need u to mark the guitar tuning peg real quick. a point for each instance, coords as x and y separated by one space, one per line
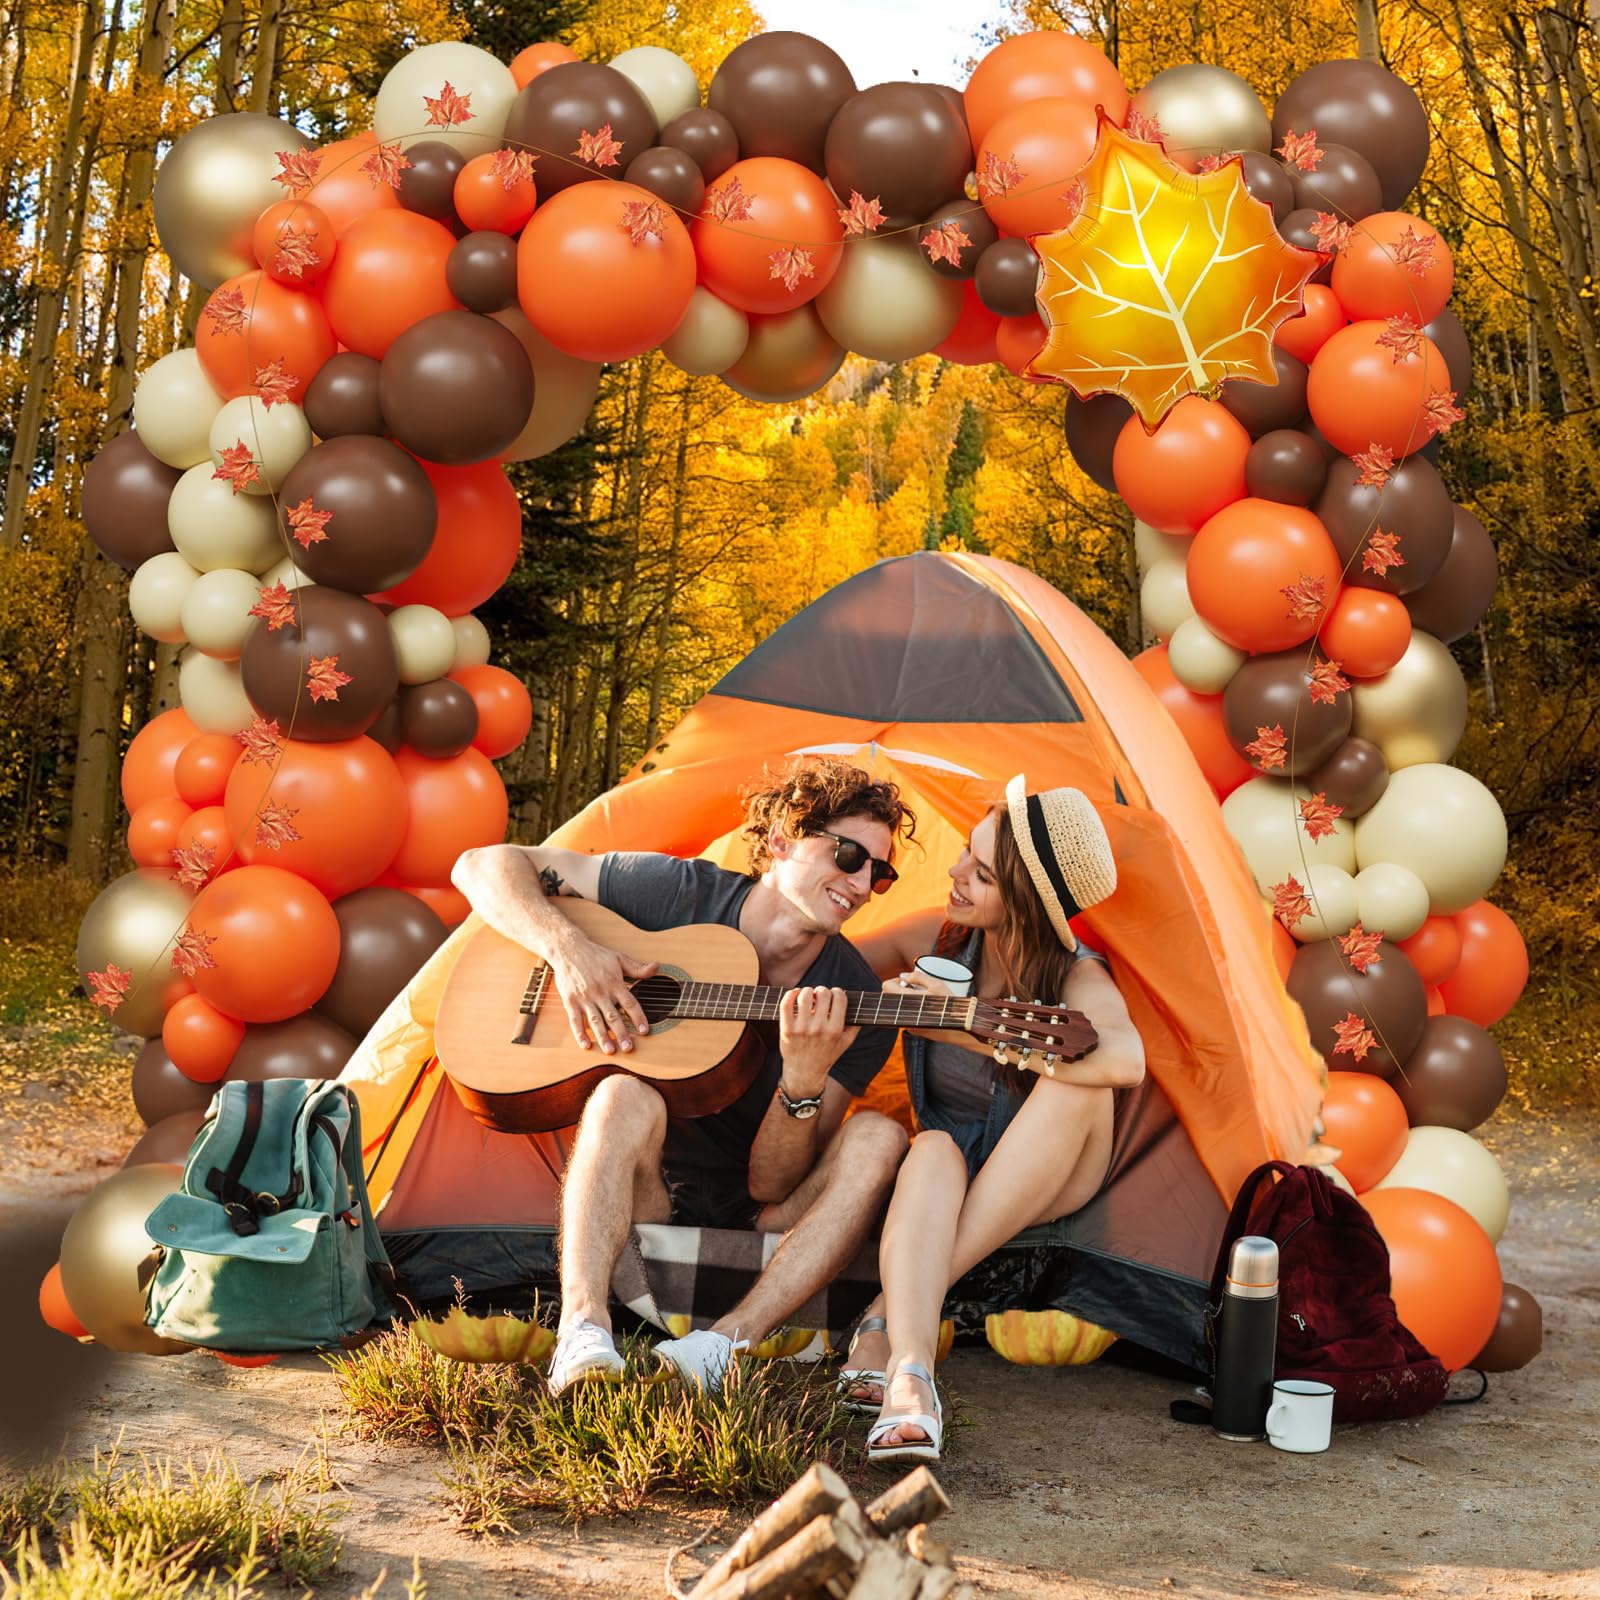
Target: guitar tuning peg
1000 1052
1050 1064
1027 1053
1028 1017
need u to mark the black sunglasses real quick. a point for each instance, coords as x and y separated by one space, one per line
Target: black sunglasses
850 856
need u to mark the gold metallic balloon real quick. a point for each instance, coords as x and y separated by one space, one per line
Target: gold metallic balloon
1444 825
1204 111
1417 711
788 357
1263 815
886 303
710 337
563 391
107 1259
132 923
216 180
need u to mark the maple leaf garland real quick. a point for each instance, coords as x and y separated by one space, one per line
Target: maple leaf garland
1331 233
297 170
1415 252
997 177
1318 815
324 679
946 242
1213 163
226 309
296 254
1361 948
1327 683
1075 196
1300 150
861 215
275 607
1403 336
790 265
385 165
1307 598
1440 413
729 203
1267 749
1375 462
598 149
239 468
262 742
275 825
194 864
1353 1037
1142 126
108 987
274 383
1382 552
512 167
308 525
643 219
447 108
192 952
1289 901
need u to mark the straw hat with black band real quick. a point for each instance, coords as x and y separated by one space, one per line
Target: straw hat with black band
1063 845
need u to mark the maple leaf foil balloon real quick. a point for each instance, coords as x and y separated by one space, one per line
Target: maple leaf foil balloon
1166 283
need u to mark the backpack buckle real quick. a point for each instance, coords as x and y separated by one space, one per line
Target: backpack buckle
270 1204
241 1218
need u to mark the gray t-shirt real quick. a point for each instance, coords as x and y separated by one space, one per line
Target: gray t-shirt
658 891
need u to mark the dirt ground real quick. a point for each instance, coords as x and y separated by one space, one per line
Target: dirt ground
1069 1483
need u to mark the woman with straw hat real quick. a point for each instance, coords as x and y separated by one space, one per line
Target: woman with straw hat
999 1148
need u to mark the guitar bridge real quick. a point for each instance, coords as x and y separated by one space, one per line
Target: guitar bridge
538 980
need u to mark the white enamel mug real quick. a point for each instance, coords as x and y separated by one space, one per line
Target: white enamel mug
956 976
1300 1418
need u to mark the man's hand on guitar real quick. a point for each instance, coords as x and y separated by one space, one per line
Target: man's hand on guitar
812 1035
593 984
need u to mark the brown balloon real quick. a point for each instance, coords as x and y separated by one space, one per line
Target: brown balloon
1451 340
169 1139
383 513
343 397
456 388
481 272
386 730
275 666
1343 183
1268 181
1007 278
1275 690
1413 504
438 718
1454 1079
1453 601
428 185
125 494
160 1091
1264 407
669 175
901 143
1518 1333
307 1046
1387 999
956 101
781 91
1285 466
578 97
1299 228
706 137
1330 452
974 223
1353 777
1093 427
384 937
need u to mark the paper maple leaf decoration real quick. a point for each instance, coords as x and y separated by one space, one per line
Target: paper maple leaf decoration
1402 336
512 167
598 149
385 165
295 253
1300 150
1415 251
1375 462
861 215
1327 683
729 203
239 467
308 525
226 310
1361 948
1289 901
1382 552
1267 748
1354 1037
108 987
262 741
1075 196
643 219
946 242
192 952
1167 283
194 863
791 264
276 607
274 823
1318 815
1307 598
324 679
1142 126
1440 413
1213 163
297 170
997 177
447 108
1331 233
274 383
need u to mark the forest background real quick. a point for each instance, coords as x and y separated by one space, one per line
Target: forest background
685 523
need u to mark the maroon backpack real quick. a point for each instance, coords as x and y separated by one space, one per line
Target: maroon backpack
1336 1322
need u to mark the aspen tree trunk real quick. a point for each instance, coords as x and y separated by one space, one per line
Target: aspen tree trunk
633 477
663 640
264 76
229 77
1368 45
1558 29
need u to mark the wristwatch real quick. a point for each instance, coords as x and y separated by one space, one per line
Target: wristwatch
802 1108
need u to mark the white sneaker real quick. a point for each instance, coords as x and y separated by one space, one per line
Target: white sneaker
585 1353
702 1359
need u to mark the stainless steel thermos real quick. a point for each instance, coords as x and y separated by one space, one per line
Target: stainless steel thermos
1247 1340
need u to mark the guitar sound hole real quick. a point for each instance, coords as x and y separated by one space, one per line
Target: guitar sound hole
658 995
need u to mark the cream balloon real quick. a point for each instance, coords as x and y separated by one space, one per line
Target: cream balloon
1417 711
1447 1162
214 527
1445 826
174 406
1164 599
1392 900
277 436
710 338
789 356
1204 111
1151 545
1332 893
216 612
563 391
1199 659
284 571
666 81
472 642
212 693
1263 815
156 595
424 643
886 303
131 925
482 82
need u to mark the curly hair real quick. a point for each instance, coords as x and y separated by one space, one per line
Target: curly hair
814 792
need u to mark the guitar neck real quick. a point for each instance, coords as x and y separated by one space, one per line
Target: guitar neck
759 1003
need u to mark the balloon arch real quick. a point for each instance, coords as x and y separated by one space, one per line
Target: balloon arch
1261 359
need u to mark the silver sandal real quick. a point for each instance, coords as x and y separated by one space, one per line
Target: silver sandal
931 1422
861 1377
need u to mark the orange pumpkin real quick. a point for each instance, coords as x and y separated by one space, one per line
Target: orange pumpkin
461 1336
1046 1338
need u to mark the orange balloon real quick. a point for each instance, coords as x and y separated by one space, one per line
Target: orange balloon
789 206
1039 66
1366 632
1444 1276
201 1040
276 943
1017 341
1493 969
478 538
505 713
1306 334
1434 949
1371 278
1360 395
387 276
349 809
453 805
1365 1119
1435 1000
526 65
1049 140
483 201
971 342
229 1359
276 323
1199 720
1184 473
1244 558
153 831
343 191
54 1309
447 903
148 766
209 827
1284 946
294 241
201 773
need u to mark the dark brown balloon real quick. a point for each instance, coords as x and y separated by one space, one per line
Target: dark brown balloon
386 730
1365 106
671 175
901 143
975 223
1007 278
160 1090
956 101
1274 690
1264 407
1451 340
1518 1334
781 91
1268 181
481 272
706 137
1354 777
1330 452
384 937
1387 998
307 1046
169 1139
343 397
578 97
1454 1079
456 388
438 718
1344 183
1413 504
125 495
1452 602
428 185
383 513
1092 429
1285 466
1299 229
275 663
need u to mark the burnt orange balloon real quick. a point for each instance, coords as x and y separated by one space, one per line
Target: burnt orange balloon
202 769
505 713
251 321
1360 395
526 65
478 538
1017 341
1493 969
343 191
1306 334
276 943
294 241
1435 1000
1199 720
1434 949
389 274
1038 66
1394 265
54 1309
1364 1118
347 805
1048 141
483 200
1366 632
447 903
229 1359
152 756
201 1040
453 805
1184 473
1245 558
790 208
208 826
972 342
153 830
1444 1276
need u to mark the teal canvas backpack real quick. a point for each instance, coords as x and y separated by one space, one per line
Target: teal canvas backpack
270 1244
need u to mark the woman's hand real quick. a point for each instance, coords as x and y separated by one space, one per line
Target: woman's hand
909 982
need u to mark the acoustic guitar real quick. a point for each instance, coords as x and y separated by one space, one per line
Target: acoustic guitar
504 1041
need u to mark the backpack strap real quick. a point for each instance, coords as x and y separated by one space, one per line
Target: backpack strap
242 1206
379 1267
1239 1220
